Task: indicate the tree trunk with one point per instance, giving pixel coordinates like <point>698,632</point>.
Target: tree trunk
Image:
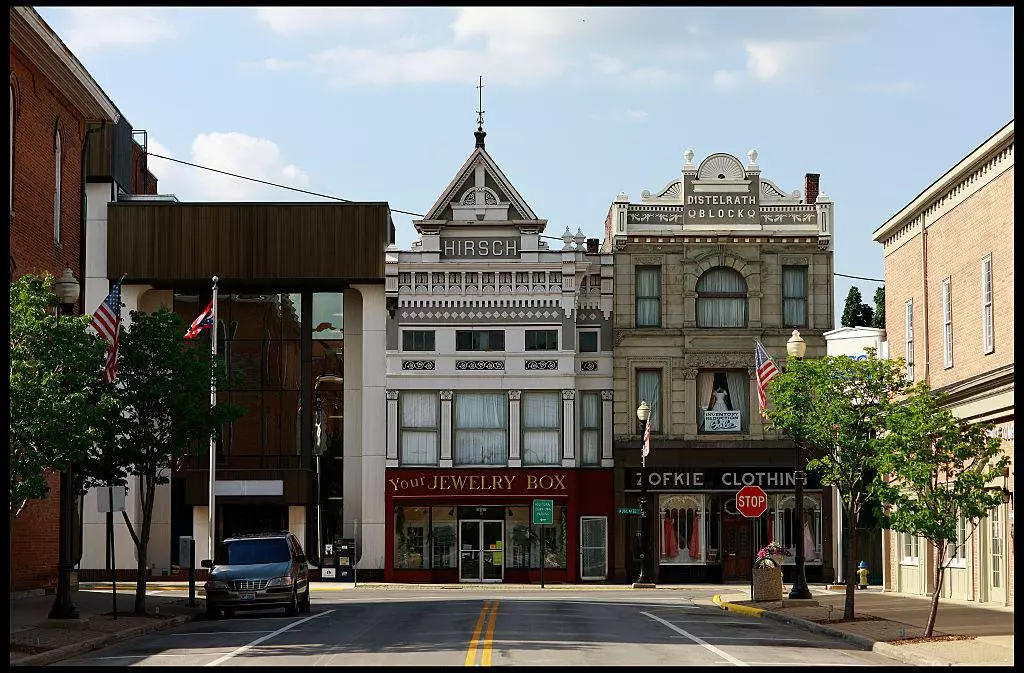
<point>939,568</point>
<point>851,568</point>
<point>148,499</point>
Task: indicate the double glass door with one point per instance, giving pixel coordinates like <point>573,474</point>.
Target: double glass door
<point>481,551</point>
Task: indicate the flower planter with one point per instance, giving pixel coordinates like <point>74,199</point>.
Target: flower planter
<point>767,584</point>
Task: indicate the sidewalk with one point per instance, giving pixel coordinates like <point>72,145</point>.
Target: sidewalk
<point>890,623</point>
<point>38,641</point>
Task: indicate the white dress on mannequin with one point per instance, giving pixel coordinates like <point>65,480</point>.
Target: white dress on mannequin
<point>720,396</point>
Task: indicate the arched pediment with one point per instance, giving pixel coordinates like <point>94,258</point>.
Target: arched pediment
<point>720,166</point>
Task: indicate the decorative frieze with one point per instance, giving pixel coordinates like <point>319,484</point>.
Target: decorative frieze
<point>417,365</point>
<point>541,365</point>
<point>719,360</point>
<point>588,366</point>
<point>480,365</point>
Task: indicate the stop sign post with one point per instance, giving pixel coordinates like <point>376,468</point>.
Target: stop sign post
<point>751,501</point>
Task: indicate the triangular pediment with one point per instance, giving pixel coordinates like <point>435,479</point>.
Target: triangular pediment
<point>480,192</point>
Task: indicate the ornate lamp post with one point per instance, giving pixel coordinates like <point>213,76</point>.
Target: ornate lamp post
<point>796,348</point>
<point>643,412</point>
<point>67,290</point>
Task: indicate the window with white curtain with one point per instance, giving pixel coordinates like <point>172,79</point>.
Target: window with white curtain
<point>590,429</point>
<point>481,429</point>
<point>648,387</point>
<point>909,329</point>
<point>648,296</point>
<point>420,413</point>
<point>725,390</point>
<point>56,187</point>
<point>542,428</point>
<point>956,550</point>
<point>911,549</point>
<point>794,296</point>
<point>947,323</point>
<point>987,316</point>
<point>721,298</point>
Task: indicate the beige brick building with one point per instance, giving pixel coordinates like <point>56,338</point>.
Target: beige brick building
<point>716,259</point>
<point>949,313</point>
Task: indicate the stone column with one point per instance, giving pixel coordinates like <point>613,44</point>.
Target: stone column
<point>568,428</point>
<point>446,428</point>
<point>690,420</point>
<point>755,424</point>
<point>606,429</point>
<point>392,420</point>
<point>515,458</point>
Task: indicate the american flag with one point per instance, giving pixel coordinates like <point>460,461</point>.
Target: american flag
<point>107,323</point>
<point>766,370</point>
<point>204,321</point>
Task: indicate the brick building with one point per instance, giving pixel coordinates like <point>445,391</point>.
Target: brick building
<point>949,313</point>
<point>53,102</point>
<point>717,258</point>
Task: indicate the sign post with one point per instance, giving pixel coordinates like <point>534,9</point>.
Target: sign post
<point>543,515</point>
<point>752,502</point>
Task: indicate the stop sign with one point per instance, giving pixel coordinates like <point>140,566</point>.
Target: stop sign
<point>751,501</point>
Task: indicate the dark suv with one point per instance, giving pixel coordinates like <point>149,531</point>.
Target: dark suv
<point>252,572</point>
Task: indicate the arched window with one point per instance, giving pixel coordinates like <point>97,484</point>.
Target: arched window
<point>721,298</point>
<point>56,187</point>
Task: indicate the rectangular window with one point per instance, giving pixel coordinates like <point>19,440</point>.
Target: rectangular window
<point>480,340</point>
<point>593,547</point>
<point>648,296</point>
<point>723,401</point>
<point>419,413</point>
<point>987,318</point>
<point>794,296</point>
<point>418,340</point>
<point>411,526</point>
<point>947,323</point>
<point>481,429</point>
<point>648,388</point>
<point>956,551</point>
<point>909,327</point>
<point>911,549</point>
<point>443,544</point>
<point>542,340</point>
<point>590,429</point>
<point>996,550</point>
<point>587,341</point>
<point>542,428</point>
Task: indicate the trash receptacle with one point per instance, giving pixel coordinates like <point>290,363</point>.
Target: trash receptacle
<point>345,559</point>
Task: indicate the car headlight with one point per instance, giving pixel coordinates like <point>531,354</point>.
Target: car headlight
<point>217,585</point>
<point>285,581</point>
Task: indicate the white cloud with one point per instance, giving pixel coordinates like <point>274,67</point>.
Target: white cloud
<point>309,20</point>
<point>727,80</point>
<point>233,152</point>
<point>278,64</point>
<point>95,27</point>
<point>768,61</point>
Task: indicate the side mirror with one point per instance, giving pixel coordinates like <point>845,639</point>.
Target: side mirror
<point>206,563</point>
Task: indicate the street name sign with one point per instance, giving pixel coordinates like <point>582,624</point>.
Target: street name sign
<point>751,501</point>
<point>630,511</point>
<point>543,512</point>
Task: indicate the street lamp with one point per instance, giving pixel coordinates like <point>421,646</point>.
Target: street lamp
<point>67,289</point>
<point>643,412</point>
<point>796,348</point>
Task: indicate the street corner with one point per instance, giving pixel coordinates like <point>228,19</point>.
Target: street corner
<point>735,607</point>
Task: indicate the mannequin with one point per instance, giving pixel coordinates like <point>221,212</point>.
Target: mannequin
<point>669,540</point>
<point>720,396</point>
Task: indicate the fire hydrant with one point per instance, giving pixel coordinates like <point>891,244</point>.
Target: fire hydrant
<point>862,575</point>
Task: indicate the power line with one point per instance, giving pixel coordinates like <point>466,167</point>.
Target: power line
<point>394,210</point>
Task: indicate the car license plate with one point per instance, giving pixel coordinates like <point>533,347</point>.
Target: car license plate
<point>247,596</point>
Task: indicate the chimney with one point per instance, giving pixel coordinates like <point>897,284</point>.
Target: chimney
<point>811,188</point>
<point>592,244</point>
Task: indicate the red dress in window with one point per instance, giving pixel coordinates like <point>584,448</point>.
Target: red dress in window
<point>669,539</point>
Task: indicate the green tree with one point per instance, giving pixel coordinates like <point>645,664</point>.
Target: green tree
<point>856,313</point>
<point>834,407</point>
<point>937,470</point>
<point>164,392</point>
<point>879,318</point>
<point>57,391</point>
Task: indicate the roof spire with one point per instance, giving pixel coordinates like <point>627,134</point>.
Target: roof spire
<point>480,134</point>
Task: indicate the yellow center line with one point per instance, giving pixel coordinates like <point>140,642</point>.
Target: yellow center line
<point>474,641</point>
<point>485,658</point>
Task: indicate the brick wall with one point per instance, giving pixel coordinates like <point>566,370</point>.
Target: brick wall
<point>40,108</point>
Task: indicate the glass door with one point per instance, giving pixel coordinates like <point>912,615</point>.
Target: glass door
<point>481,551</point>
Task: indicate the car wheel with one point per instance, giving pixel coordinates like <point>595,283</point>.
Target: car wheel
<point>212,612</point>
<point>304,606</point>
<point>293,606</point>
<point>229,613</point>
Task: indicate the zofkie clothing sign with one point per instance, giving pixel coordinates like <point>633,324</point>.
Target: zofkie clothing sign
<point>718,479</point>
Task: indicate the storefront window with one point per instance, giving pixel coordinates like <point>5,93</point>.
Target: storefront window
<point>443,538</point>
<point>411,536</point>
<point>517,530</point>
<point>524,539</point>
<point>682,529</point>
<point>782,525</point>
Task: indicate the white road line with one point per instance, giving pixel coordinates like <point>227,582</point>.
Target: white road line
<point>214,633</point>
<point>705,645</point>
<point>256,642</point>
<point>801,640</point>
<point>158,654</point>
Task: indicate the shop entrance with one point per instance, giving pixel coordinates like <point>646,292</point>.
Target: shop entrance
<point>481,550</point>
<point>738,556</point>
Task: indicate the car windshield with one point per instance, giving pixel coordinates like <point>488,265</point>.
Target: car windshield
<point>252,552</point>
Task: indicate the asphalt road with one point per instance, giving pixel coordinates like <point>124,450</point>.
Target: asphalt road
<point>487,628</point>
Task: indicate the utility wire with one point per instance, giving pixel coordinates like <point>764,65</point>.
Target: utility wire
<point>394,210</point>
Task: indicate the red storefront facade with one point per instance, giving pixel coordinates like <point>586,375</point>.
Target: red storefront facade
<point>475,525</point>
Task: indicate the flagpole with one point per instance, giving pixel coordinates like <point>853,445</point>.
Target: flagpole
<point>213,439</point>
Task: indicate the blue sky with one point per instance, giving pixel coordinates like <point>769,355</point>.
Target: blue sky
<point>581,103</point>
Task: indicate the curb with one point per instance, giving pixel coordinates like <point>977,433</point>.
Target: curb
<point>68,651</point>
<point>739,609</point>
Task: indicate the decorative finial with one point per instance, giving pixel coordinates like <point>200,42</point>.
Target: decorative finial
<point>480,134</point>
<point>567,239</point>
<point>688,155</point>
<point>580,238</point>
<point>752,156</point>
